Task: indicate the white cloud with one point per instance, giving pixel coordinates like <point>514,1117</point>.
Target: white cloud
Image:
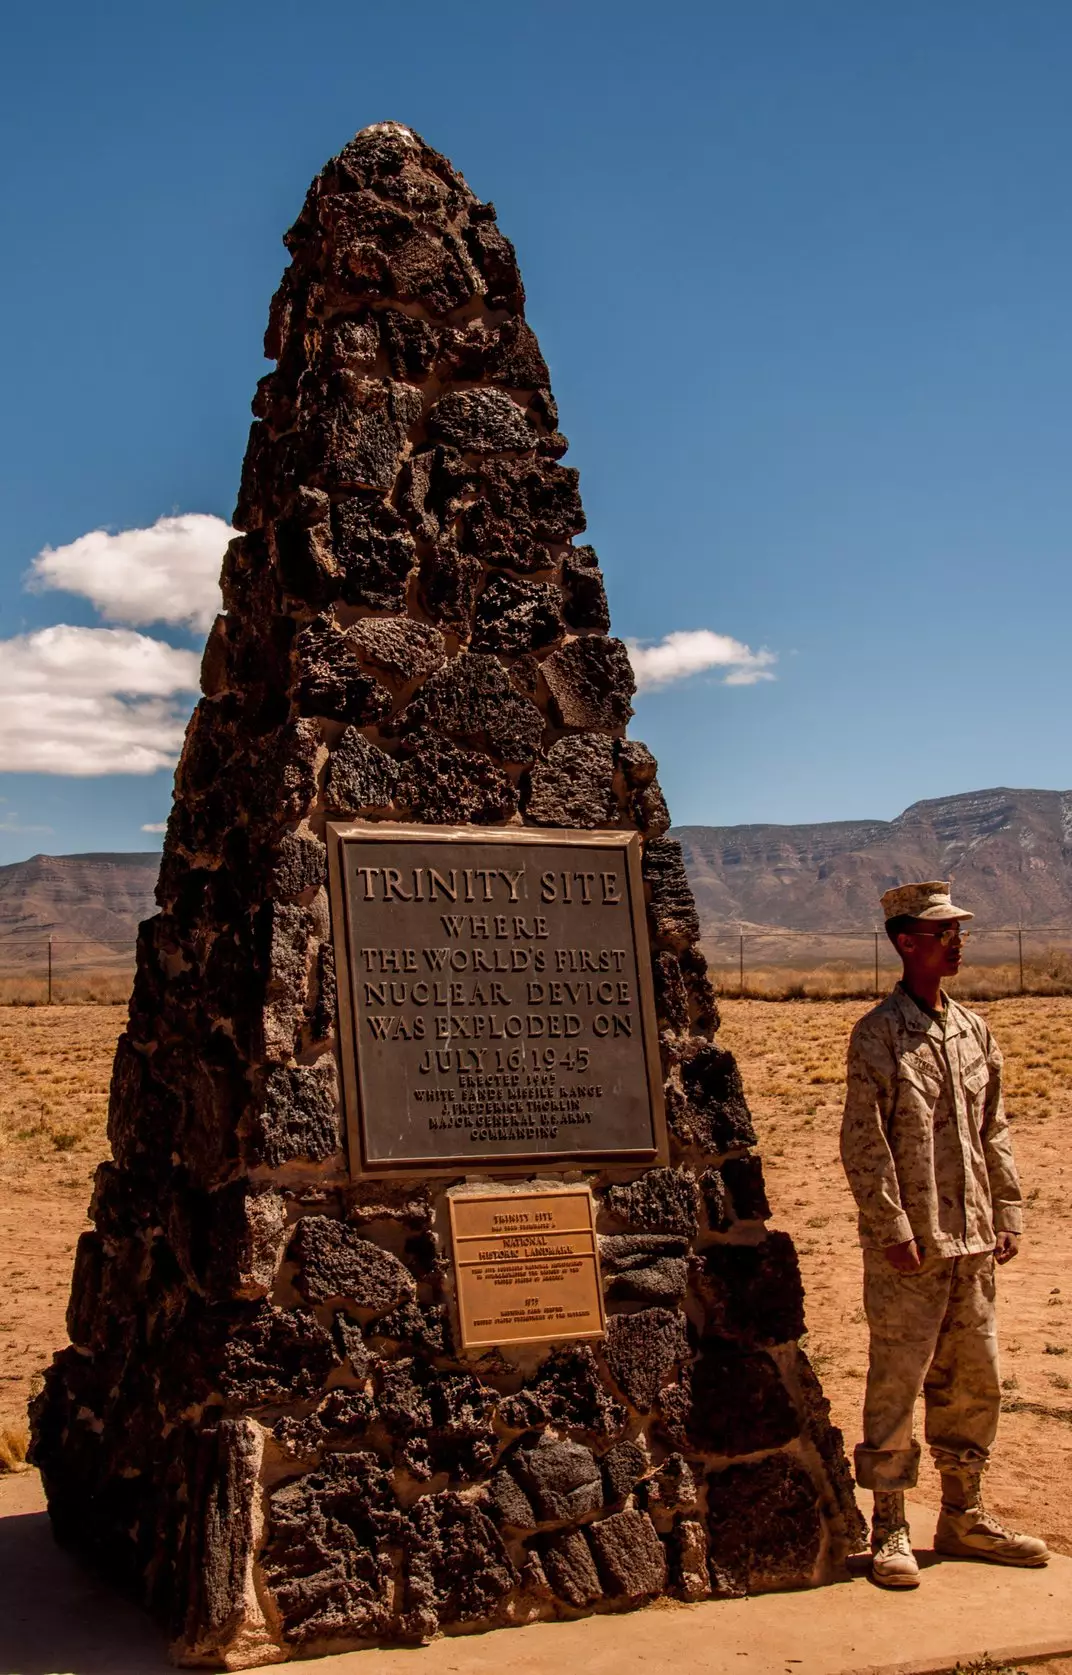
<point>156,826</point>
<point>168,573</point>
<point>86,701</point>
<point>689,651</point>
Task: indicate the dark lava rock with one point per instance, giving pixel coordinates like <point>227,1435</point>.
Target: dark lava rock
<point>224,1495</point>
<point>334,1261</point>
<point>663,1201</point>
<point>374,552</point>
<point>508,1503</point>
<point>480,421</point>
<point>307,565</point>
<point>457,1570</point>
<point>268,1354</point>
<point>671,996</point>
<point>629,1555</point>
<point>754,1291</point>
<point>637,763</point>
<point>517,616</point>
<point>571,1570</point>
<point>434,486</point>
<point>763,1524</point>
<point>585,606</point>
<point>623,1467</point>
<point>332,681</point>
<point>650,811</point>
<point>687,1554</point>
<point>561,1479</point>
<point>425,1327</point>
<point>715,1198</point>
<point>671,908</point>
<point>591,683</point>
<point>574,784</point>
<point>569,1393</point>
<point>470,701</point>
<point>730,1402</point>
<point>642,1350</point>
<point>411,344</point>
<point>301,864</point>
<point>508,354</point>
<point>449,1414</point>
<point>522,508</point>
<point>444,785</point>
<point>620,1253</point>
<point>342,1417</point>
<point>672,1486</point>
<point>665,1280</point>
<point>449,584</point>
<point>322,1021</point>
<point>399,648</point>
<point>358,439</point>
<point>351,1344</point>
<point>830,1446</point>
<point>703,1002</point>
<point>360,776</point>
<point>299,1115</point>
<point>328,1559</point>
<point>237,1239</point>
<point>718,1111</point>
<point>744,1178</point>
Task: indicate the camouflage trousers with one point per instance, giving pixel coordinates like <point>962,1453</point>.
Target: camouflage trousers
<point>932,1331</point>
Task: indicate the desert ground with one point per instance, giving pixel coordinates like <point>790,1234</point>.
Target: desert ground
<point>54,1069</point>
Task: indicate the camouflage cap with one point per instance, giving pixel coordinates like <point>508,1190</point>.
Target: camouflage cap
<point>922,901</point>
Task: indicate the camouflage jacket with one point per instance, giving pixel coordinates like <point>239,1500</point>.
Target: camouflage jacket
<point>924,1139</point>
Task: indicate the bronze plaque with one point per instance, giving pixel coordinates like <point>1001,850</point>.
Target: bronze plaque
<point>495,1000</point>
<point>526,1265</point>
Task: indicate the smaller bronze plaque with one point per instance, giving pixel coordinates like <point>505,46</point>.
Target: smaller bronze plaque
<point>526,1265</point>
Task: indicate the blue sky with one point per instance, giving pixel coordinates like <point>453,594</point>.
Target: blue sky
<point>801,270</point>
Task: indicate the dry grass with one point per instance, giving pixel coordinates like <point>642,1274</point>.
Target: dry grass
<point>792,1059</point>
<point>85,988</point>
<point>14,1442</point>
<point>849,980</point>
<point>55,1064</point>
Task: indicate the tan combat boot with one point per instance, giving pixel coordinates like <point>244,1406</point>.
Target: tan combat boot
<point>893,1563</point>
<point>966,1530</point>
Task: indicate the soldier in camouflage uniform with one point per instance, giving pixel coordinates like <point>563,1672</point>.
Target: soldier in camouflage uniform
<point>926,1149</point>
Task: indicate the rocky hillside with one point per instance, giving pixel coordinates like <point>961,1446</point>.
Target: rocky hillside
<point>96,901</point>
<point>1009,853</point>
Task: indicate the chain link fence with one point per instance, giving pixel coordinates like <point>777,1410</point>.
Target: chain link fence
<point>852,964</point>
<point>745,961</point>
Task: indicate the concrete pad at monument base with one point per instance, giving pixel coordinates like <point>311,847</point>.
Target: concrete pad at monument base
<point>56,1618</point>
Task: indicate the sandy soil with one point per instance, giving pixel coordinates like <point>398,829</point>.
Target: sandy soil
<point>55,1065</point>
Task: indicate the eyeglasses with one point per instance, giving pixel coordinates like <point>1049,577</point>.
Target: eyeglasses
<point>948,934</point>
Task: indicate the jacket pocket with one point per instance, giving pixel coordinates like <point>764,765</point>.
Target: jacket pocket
<point>921,1076</point>
<point>975,1077</point>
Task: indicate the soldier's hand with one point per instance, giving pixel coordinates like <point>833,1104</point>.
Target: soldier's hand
<point>1006,1247</point>
<point>905,1258</point>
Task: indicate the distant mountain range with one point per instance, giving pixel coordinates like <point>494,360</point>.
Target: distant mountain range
<point>1008,852</point>
<point>94,901</point>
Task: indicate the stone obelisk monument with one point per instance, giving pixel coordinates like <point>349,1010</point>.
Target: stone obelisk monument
<point>429,1287</point>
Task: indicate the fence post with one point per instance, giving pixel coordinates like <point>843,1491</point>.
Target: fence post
<point>1020,948</point>
<point>876,962</point>
<point>50,971</point>
<point>741,968</point>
